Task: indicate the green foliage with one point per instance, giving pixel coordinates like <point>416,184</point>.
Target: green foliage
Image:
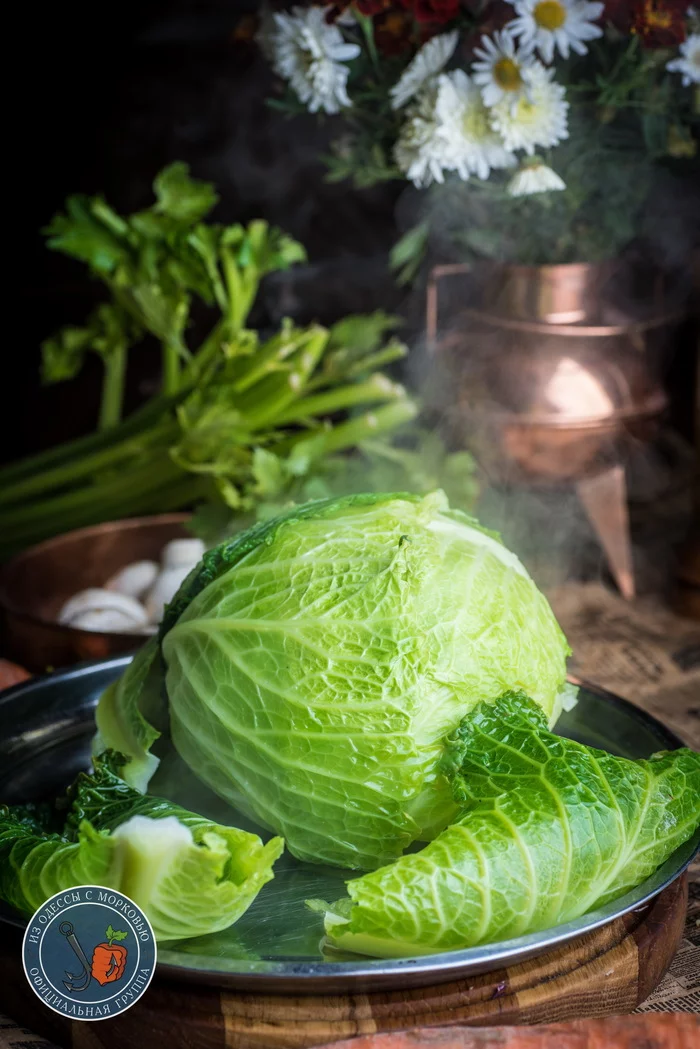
<point>608,179</point>
<point>417,460</point>
<point>407,254</point>
<point>154,262</point>
<point>180,197</point>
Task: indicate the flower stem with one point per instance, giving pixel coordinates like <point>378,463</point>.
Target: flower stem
<point>367,27</point>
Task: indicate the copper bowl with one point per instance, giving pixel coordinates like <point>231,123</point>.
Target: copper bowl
<point>35,584</point>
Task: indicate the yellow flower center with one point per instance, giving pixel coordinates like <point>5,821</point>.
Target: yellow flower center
<point>656,17</point>
<point>506,73</point>
<point>525,113</point>
<point>549,14</point>
<point>475,123</point>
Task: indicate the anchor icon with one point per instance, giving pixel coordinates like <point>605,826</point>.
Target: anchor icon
<point>76,981</point>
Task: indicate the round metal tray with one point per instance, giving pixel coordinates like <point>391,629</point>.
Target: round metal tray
<point>46,728</point>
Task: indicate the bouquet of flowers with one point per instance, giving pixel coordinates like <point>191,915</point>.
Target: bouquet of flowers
<point>537,126</point>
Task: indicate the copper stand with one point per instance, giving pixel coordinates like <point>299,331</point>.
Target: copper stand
<point>604,498</point>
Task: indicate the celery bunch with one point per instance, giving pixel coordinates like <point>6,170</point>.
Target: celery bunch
<point>237,416</point>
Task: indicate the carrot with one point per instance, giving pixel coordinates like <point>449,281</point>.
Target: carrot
<point>109,958</point>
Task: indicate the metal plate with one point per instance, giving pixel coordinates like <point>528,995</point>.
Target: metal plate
<point>45,729</point>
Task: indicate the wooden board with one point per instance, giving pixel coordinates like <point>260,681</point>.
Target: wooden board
<point>607,972</point>
<point>651,1031</point>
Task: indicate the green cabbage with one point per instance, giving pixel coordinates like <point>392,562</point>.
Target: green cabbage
<point>189,875</point>
<point>549,830</point>
<point>314,665</point>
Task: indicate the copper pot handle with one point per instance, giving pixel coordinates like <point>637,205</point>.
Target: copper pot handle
<point>431,298</point>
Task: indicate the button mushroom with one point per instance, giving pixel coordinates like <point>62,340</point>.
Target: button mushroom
<point>103,610</point>
<point>179,552</point>
<point>135,579</point>
<point>178,559</point>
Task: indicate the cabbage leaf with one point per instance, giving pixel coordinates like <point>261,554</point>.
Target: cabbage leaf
<point>549,830</point>
<point>191,876</point>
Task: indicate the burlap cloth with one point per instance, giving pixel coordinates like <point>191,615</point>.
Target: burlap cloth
<point>649,656</point>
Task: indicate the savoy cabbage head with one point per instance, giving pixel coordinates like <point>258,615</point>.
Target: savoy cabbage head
<point>310,669</point>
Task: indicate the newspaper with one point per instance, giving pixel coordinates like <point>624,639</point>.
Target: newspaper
<point>649,656</point>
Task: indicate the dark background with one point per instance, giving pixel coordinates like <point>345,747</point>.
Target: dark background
<point>107,96</point>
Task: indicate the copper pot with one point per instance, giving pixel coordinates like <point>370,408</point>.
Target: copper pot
<point>542,397</point>
<point>563,294</point>
<point>35,584</point>
<point>542,406</point>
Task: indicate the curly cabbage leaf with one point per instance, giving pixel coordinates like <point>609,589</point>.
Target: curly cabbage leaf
<point>125,715</point>
<point>190,876</point>
<point>549,830</point>
<point>314,665</point>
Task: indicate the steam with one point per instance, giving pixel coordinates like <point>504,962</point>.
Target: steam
<point>480,388</point>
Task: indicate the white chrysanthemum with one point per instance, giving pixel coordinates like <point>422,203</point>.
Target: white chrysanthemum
<point>430,60</point>
<point>688,63</point>
<point>448,129</point>
<point>470,145</point>
<point>534,178</point>
<point>309,53</point>
<point>502,69</point>
<point>419,149</point>
<point>540,120</point>
<point>563,25</point>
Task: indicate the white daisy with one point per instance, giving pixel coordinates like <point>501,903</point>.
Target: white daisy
<point>560,24</point>
<point>502,69</point>
<point>540,120</point>
<point>419,148</point>
<point>470,145</point>
<point>688,64</point>
<point>430,60</point>
<point>534,178</point>
<point>309,53</point>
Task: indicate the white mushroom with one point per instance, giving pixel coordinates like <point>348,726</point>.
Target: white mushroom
<point>130,613</point>
<point>106,621</point>
<point>179,552</point>
<point>164,589</point>
<point>135,579</point>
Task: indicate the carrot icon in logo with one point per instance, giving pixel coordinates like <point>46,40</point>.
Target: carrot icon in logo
<point>109,959</point>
